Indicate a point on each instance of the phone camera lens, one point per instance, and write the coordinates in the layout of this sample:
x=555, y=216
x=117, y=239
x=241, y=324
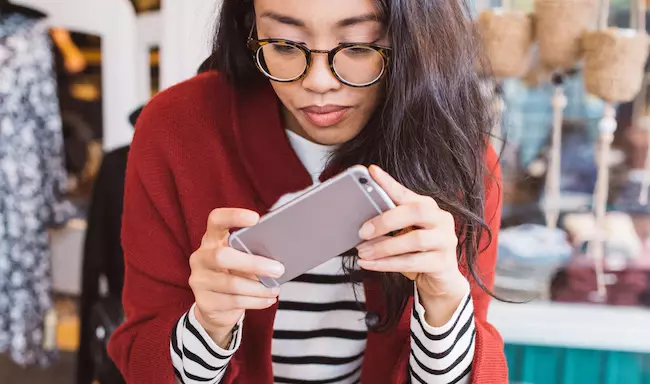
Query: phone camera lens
x=363, y=180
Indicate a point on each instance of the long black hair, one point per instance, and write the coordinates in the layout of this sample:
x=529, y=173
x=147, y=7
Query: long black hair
x=431, y=130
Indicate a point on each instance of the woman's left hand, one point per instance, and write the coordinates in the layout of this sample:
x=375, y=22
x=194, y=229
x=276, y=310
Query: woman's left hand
x=426, y=254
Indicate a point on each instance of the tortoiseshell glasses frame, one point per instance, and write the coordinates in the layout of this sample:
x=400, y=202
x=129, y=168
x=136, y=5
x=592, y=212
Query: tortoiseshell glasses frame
x=257, y=47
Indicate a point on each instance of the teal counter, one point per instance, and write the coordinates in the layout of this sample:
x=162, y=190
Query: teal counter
x=557, y=365
x=554, y=343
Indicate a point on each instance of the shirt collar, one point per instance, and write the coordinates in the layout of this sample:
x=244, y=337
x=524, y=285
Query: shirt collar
x=313, y=156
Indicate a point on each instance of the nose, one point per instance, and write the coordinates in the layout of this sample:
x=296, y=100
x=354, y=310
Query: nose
x=319, y=78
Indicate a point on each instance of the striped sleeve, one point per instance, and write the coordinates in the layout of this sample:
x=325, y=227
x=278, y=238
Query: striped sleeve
x=442, y=354
x=195, y=356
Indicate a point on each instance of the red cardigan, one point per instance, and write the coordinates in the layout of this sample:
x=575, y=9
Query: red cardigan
x=199, y=146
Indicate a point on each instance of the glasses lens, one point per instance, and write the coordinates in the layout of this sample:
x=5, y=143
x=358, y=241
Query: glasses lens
x=282, y=61
x=359, y=65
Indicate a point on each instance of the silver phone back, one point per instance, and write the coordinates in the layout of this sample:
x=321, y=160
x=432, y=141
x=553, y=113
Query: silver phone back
x=316, y=226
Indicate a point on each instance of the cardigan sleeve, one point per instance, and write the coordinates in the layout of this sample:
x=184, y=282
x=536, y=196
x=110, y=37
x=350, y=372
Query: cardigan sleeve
x=489, y=365
x=156, y=250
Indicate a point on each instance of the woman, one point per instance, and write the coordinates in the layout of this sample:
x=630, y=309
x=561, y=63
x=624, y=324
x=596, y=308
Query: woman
x=337, y=83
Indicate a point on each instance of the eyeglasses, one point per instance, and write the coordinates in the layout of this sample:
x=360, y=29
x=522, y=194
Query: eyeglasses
x=353, y=64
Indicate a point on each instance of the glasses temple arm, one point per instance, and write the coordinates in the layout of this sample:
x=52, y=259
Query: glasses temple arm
x=250, y=34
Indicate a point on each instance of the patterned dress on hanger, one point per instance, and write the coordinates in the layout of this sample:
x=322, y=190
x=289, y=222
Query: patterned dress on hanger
x=32, y=184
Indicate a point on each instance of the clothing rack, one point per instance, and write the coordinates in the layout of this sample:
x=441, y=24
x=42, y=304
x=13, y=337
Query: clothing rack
x=126, y=83
x=114, y=21
x=124, y=88
x=183, y=30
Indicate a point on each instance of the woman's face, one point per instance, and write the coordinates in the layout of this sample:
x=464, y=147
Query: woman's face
x=319, y=107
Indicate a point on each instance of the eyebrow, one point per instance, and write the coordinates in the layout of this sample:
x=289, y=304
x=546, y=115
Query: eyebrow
x=350, y=21
x=282, y=19
x=347, y=22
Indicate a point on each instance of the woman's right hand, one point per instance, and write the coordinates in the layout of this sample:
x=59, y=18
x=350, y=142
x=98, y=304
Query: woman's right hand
x=224, y=280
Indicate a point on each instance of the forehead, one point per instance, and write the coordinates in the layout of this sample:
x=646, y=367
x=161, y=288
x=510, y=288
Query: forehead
x=314, y=12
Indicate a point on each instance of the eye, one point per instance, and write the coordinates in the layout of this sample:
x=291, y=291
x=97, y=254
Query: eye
x=358, y=51
x=285, y=49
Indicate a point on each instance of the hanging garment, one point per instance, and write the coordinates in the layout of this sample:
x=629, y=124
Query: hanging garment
x=32, y=185
x=103, y=257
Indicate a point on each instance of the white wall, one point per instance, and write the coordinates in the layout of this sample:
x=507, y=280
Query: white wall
x=188, y=28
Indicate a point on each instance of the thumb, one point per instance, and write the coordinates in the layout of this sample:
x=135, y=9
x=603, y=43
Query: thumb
x=221, y=220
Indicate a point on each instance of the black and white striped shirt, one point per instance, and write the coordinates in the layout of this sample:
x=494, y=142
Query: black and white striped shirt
x=320, y=328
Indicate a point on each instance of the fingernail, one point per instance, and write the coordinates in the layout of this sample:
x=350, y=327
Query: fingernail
x=366, y=231
x=365, y=251
x=251, y=216
x=275, y=270
x=380, y=170
x=272, y=301
x=275, y=291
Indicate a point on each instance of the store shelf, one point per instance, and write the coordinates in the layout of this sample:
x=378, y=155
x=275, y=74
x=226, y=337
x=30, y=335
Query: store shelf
x=586, y=326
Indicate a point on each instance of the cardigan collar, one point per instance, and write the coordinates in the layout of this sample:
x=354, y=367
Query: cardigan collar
x=271, y=163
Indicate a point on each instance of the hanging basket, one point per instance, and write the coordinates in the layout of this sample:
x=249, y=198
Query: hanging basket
x=559, y=26
x=614, y=63
x=507, y=37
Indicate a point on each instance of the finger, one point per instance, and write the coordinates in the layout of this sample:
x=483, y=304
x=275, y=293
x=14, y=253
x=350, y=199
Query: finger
x=221, y=220
x=369, y=243
x=374, y=241
x=244, y=263
x=396, y=191
x=244, y=275
x=412, y=242
x=230, y=302
x=422, y=214
x=423, y=262
x=230, y=284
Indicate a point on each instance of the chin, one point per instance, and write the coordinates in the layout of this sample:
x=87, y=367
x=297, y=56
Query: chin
x=333, y=135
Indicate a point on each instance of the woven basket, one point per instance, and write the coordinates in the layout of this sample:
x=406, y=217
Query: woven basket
x=559, y=26
x=507, y=38
x=537, y=75
x=614, y=63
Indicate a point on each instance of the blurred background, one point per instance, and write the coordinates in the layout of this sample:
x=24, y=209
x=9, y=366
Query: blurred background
x=75, y=73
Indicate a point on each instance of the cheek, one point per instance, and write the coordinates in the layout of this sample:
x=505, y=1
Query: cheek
x=369, y=99
x=286, y=92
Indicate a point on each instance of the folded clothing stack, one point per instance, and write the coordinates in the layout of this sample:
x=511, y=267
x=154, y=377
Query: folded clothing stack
x=529, y=255
x=621, y=238
x=644, y=298
x=628, y=282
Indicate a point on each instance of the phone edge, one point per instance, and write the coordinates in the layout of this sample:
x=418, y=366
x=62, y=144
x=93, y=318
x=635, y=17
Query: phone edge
x=268, y=282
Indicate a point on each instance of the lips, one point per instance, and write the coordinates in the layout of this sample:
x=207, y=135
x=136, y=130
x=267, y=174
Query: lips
x=326, y=115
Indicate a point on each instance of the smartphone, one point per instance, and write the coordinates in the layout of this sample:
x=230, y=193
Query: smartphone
x=316, y=226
